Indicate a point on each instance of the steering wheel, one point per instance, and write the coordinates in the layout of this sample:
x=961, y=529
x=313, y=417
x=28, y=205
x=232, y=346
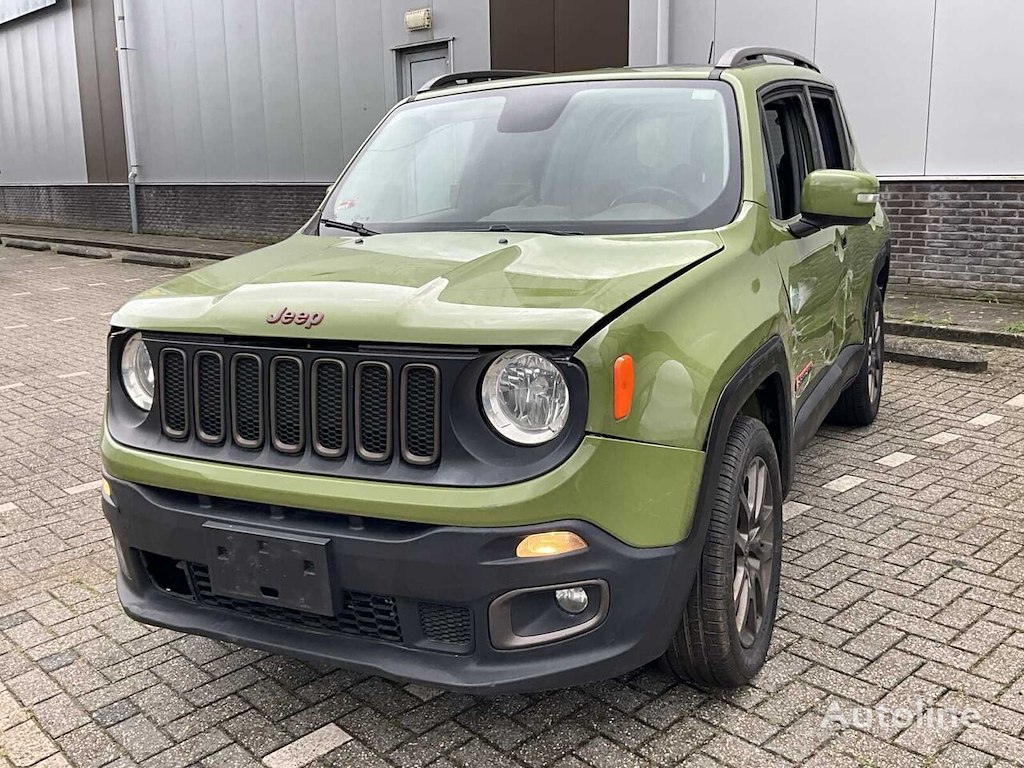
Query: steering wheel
x=643, y=195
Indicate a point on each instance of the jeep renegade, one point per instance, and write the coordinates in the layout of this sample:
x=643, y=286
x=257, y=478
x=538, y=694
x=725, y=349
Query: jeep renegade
x=519, y=406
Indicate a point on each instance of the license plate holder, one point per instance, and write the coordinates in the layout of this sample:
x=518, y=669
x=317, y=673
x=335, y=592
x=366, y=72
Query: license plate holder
x=286, y=570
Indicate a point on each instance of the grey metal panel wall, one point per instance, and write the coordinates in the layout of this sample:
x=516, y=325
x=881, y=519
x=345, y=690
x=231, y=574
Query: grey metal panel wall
x=272, y=90
x=781, y=23
x=879, y=54
x=40, y=112
x=976, y=123
x=253, y=90
x=910, y=72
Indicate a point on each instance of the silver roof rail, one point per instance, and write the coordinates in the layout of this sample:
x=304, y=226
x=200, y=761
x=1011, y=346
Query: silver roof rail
x=478, y=76
x=754, y=54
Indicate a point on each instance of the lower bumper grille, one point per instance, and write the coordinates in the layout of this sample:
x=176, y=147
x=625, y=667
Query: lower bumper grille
x=446, y=628
x=362, y=615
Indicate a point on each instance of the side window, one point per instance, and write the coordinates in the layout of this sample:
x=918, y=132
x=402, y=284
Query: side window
x=788, y=147
x=834, y=146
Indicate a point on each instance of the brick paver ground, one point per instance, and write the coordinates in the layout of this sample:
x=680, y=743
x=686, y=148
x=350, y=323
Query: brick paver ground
x=902, y=590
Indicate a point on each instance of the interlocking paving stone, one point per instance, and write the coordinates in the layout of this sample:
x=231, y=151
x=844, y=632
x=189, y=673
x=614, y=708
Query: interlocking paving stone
x=901, y=589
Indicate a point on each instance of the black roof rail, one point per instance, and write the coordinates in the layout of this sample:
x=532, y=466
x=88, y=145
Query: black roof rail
x=754, y=54
x=477, y=76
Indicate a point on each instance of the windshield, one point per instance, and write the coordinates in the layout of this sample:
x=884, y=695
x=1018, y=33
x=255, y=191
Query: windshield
x=592, y=157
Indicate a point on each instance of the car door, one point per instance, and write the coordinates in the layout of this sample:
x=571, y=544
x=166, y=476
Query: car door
x=810, y=265
x=855, y=246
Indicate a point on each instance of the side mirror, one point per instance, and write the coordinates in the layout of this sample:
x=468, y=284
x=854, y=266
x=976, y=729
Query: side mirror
x=832, y=196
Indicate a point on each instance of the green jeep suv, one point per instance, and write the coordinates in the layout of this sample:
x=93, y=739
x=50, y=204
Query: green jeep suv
x=519, y=406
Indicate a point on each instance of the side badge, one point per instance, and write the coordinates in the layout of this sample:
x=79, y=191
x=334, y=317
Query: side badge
x=802, y=377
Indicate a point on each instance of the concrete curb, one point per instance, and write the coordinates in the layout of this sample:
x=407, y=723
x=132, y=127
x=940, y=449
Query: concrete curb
x=957, y=333
x=25, y=245
x=83, y=251
x=935, y=361
x=54, y=242
x=153, y=259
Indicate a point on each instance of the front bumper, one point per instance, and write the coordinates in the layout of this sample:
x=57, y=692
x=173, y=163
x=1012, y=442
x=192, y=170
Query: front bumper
x=422, y=596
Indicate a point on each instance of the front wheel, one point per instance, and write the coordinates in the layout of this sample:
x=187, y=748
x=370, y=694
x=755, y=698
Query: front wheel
x=858, y=404
x=723, y=637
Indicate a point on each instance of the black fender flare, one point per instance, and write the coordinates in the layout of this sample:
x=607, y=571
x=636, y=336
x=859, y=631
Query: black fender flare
x=768, y=360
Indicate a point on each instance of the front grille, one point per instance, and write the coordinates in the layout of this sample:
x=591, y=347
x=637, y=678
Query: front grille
x=287, y=407
x=209, y=388
x=446, y=623
x=363, y=615
x=247, y=400
x=173, y=397
x=373, y=411
x=421, y=402
x=315, y=404
x=329, y=408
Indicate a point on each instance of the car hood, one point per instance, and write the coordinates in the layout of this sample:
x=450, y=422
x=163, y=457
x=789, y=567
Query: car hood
x=476, y=288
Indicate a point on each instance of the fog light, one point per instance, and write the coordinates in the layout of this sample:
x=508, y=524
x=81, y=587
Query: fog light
x=572, y=600
x=106, y=487
x=550, y=543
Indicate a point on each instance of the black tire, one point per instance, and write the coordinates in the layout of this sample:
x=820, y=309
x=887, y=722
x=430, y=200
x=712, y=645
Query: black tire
x=710, y=648
x=858, y=404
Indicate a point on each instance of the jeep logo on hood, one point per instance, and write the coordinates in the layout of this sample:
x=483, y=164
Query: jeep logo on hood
x=285, y=316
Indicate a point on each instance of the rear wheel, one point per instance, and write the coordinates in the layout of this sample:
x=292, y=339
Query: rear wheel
x=858, y=404
x=723, y=637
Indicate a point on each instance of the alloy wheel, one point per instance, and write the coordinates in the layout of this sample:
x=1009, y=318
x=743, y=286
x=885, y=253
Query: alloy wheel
x=754, y=549
x=875, y=352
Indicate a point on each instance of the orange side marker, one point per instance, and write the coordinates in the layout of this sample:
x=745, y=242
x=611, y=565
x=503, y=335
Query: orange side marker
x=622, y=386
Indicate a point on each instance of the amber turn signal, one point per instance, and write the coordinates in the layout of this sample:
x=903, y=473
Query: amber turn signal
x=622, y=386
x=106, y=488
x=550, y=543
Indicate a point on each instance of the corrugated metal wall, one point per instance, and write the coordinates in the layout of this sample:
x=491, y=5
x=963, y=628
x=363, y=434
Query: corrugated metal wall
x=269, y=90
x=932, y=87
x=40, y=114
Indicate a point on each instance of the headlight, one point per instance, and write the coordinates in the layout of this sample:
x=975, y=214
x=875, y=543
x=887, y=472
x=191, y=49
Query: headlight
x=137, y=372
x=525, y=397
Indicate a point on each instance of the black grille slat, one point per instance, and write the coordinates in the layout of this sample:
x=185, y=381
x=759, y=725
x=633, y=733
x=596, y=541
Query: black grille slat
x=173, y=395
x=247, y=400
x=328, y=394
x=287, y=406
x=363, y=615
x=421, y=406
x=449, y=624
x=209, y=396
x=373, y=411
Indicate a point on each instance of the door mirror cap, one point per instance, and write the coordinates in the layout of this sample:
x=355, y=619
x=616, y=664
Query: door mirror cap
x=832, y=196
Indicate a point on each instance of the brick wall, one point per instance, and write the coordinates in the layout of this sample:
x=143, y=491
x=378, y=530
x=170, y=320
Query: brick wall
x=260, y=212
x=962, y=239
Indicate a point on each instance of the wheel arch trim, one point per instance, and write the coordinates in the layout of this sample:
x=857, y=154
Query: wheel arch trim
x=767, y=362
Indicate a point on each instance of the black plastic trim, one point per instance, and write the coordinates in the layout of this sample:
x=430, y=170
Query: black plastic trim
x=174, y=434
x=415, y=564
x=768, y=360
x=314, y=388
x=403, y=429
x=365, y=454
x=279, y=444
x=222, y=394
x=824, y=393
x=233, y=389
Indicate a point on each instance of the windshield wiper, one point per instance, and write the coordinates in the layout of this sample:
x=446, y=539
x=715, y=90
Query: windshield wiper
x=353, y=226
x=535, y=230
